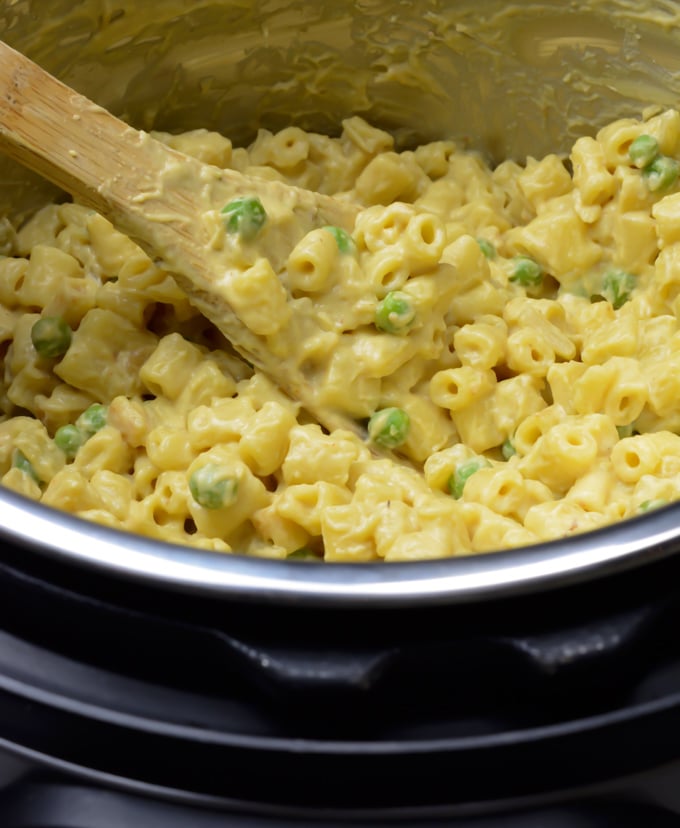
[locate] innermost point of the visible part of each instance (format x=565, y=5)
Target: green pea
x=395, y=313
x=302, y=554
x=508, y=449
x=245, y=216
x=649, y=505
x=661, y=174
x=526, y=272
x=21, y=462
x=69, y=439
x=487, y=248
x=342, y=238
x=93, y=419
x=463, y=472
x=389, y=427
x=617, y=287
x=213, y=486
x=51, y=336
x=643, y=150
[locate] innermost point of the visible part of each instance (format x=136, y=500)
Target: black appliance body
x=124, y=705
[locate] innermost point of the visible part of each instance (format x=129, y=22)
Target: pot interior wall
x=510, y=79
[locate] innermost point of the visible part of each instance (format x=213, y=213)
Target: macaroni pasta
x=514, y=331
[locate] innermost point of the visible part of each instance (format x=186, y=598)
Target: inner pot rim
x=65, y=538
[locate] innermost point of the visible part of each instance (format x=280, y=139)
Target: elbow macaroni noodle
x=541, y=346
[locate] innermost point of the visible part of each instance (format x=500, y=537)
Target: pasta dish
x=510, y=332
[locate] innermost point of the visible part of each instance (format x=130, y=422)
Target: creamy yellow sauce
x=533, y=357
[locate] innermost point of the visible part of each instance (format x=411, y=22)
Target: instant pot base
x=362, y=715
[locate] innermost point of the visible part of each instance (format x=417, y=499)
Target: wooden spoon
x=163, y=199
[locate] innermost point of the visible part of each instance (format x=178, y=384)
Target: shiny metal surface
x=510, y=79
x=456, y=580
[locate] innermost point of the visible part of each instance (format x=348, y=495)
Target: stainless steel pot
x=511, y=79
